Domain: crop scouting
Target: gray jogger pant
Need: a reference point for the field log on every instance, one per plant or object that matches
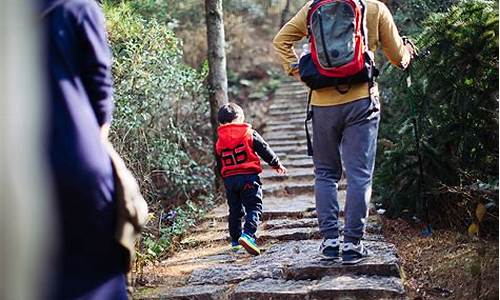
(344, 134)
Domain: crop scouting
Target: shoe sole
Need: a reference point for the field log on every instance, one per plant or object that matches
(249, 247)
(235, 250)
(353, 261)
(329, 258)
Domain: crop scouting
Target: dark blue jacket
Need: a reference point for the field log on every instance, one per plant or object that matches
(80, 101)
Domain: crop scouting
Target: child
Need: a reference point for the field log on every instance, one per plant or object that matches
(237, 148)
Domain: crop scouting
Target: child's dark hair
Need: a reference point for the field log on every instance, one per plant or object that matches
(229, 112)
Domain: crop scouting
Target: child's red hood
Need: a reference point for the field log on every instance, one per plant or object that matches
(232, 134)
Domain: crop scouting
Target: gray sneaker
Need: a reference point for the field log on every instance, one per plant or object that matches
(330, 249)
(353, 254)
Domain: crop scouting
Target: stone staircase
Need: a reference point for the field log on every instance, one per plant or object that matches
(289, 267)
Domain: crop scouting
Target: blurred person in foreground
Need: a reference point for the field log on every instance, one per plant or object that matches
(90, 263)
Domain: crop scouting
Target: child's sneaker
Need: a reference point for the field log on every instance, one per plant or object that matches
(249, 244)
(354, 253)
(235, 247)
(329, 249)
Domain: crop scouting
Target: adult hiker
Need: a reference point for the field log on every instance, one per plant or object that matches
(90, 263)
(343, 34)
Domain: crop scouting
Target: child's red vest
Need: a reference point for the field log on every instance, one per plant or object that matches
(235, 150)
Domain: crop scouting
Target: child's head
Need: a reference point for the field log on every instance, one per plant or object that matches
(231, 113)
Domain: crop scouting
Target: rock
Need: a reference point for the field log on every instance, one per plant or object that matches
(198, 292)
(290, 149)
(287, 111)
(296, 121)
(289, 234)
(298, 163)
(292, 115)
(290, 223)
(358, 287)
(274, 143)
(297, 105)
(287, 188)
(383, 262)
(275, 207)
(266, 289)
(288, 135)
(343, 287)
(283, 127)
(294, 174)
(272, 135)
(299, 260)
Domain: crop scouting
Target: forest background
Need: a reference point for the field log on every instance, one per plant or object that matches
(437, 163)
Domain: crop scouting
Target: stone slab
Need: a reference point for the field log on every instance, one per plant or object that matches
(372, 227)
(294, 106)
(291, 149)
(294, 121)
(274, 135)
(267, 289)
(358, 287)
(290, 223)
(286, 111)
(299, 260)
(197, 292)
(293, 206)
(383, 262)
(288, 187)
(342, 287)
(303, 174)
(292, 115)
(279, 143)
(289, 234)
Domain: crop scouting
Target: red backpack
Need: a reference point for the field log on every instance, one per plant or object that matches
(339, 45)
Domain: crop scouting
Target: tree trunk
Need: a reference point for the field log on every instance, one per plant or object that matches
(217, 77)
(285, 13)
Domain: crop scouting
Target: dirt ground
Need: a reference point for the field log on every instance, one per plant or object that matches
(445, 265)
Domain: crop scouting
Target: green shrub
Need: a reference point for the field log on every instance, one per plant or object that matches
(448, 117)
(160, 124)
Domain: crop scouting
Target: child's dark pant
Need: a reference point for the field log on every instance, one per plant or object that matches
(244, 195)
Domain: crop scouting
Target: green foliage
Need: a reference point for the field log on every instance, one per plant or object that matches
(157, 241)
(449, 115)
(160, 122)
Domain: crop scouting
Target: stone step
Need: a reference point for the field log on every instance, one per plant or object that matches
(288, 188)
(293, 206)
(291, 116)
(303, 233)
(275, 207)
(298, 260)
(287, 93)
(340, 287)
(284, 128)
(287, 112)
(291, 149)
(292, 105)
(298, 163)
(293, 174)
(297, 142)
(274, 135)
(294, 121)
(372, 227)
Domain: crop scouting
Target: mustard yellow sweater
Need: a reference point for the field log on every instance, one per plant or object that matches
(381, 32)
